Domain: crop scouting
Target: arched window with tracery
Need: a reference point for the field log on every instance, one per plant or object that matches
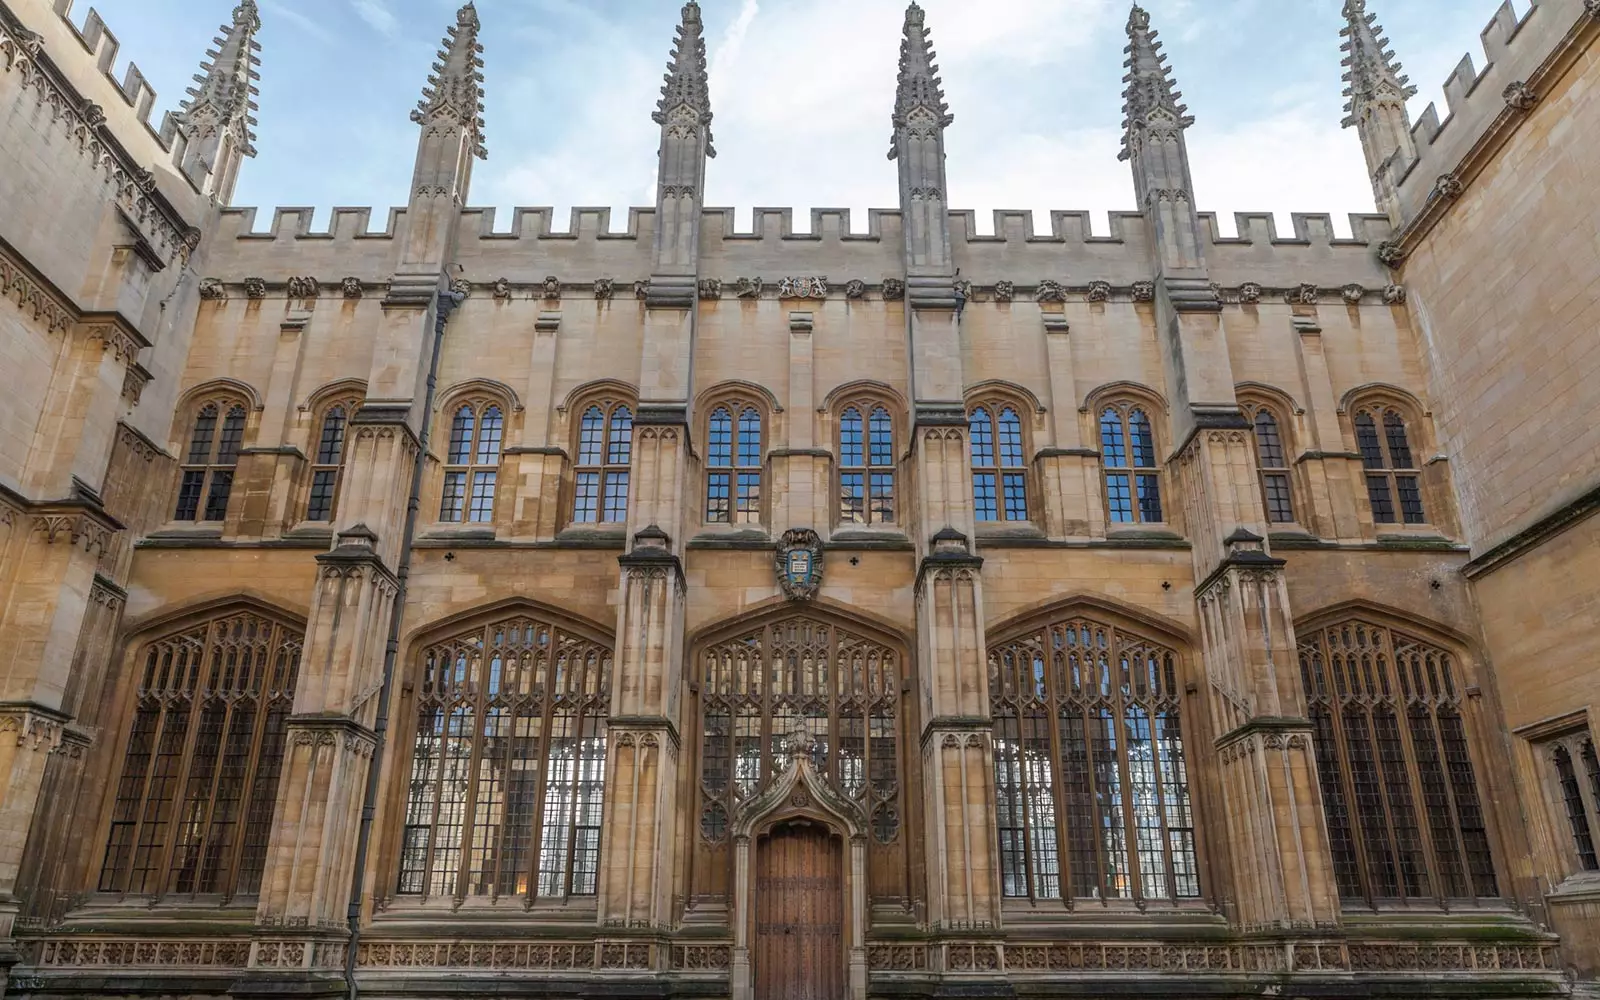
(193, 806)
(733, 463)
(1128, 455)
(1398, 784)
(999, 462)
(472, 462)
(1394, 483)
(507, 772)
(866, 465)
(1091, 775)
(327, 471)
(605, 454)
(1272, 463)
(206, 480)
(757, 686)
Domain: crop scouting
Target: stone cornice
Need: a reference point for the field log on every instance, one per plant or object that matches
(1535, 535)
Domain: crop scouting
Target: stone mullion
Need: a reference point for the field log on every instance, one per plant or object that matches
(1419, 799)
(252, 767)
(185, 765)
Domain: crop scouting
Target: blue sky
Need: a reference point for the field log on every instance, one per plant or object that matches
(802, 90)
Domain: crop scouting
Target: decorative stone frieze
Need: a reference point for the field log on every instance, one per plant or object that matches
(1050, 290)
(133, 384)
(115, 340)
(641, 289)
(1353, 293)
(213, 290)
(803, 288)
(1005, 291)
(31, 297)
(748, 288)
(604, 288)
(894, 289)
(461, 287)
(1394, 295)
(502, 289)
(255, 288)
(1144, 291)
(304, 288)
(1305, 294)
(1099, 291)
(551, 288)
(1448, 186)
(710, 289)
(1391, 253)
(352, 288)
(855, 288)
(1250, 293)
(1519, 96)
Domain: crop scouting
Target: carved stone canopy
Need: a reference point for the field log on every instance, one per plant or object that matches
(797, 790)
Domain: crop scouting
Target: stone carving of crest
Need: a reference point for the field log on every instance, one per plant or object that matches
(803, 288)
(800, 564)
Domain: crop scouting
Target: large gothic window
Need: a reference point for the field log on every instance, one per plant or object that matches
(1394, 483)
(605, 454)
(733, 463)
(209, 461)
(758, 687)
(866, 466)
(507, 764)
(193, 806)
(1091, 778)
(1398, 784)
(1272, 464)
(1128, 453)
(999, 463)
(328, 470)
(472, 464)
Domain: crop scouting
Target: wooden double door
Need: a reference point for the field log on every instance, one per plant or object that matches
(799, 910)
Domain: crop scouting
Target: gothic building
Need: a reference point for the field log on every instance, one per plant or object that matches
(452, 605)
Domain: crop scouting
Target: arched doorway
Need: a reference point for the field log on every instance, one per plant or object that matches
(799, 913)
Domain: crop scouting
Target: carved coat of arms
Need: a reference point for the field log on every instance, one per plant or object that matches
(800, 564)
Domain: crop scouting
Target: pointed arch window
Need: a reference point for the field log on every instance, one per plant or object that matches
(328, 471)
(472, 463)
(1128, 455)
(206, 481)
(194, 803)
(866, 466)
(1394, 483)
(1272, 464)
(507, 773)
(999, 463)
(1091, 775)
(1398, 783)
(1572, 778)
(605, 454)
(733, 462)
(758, 688)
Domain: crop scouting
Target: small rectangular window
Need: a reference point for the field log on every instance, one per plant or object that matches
(482, 511)
(586, 504)
(217, 499)
(616, 511)
(320, 508)
(1381, 498)
(719, 490)
(189, 495)
(1119, 499)
(986, 507)
(451, 506)
(852, 498)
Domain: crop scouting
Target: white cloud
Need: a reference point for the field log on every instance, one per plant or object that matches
(299, 20)
(374, 12)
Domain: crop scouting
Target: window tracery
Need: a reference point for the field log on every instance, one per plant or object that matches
(866, 465)
(734, 458)
(604, 463)
(999, 461)
(194, 803)
(206, 478)
(1091, 775)
(1128, 456)
(1398, 782)
(472, 462)
(507, 772)
(1394, 481)
(757, 688)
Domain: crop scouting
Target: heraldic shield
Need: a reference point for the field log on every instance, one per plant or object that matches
(800, 564)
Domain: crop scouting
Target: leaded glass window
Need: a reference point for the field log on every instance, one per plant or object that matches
(507, 771)
(1398, 784)
(1091, 774)
(206, 478)
(758, 688)
(604, 457)
(1572, 781)
(999, 463)
(733, 460)
(1394, 483)
(1128, 455)
(193, 806)
(1272, 466)
(472, 463)
(328, 469)
(866, 466)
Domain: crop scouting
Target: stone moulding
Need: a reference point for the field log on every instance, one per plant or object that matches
(18, 284)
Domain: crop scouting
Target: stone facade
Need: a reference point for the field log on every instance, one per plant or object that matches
(419, 610)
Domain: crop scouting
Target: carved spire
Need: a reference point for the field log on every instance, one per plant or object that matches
(1377, 92)
(454, 94)
(686, 85)
(1371, 72)
(920, 88)
(218, 117)
(1151, 99)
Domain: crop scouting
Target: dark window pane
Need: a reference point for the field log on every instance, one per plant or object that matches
(1381, 499)
(749, 438)
(1367, 438)
(982, 431)
(1143, 440)
(1394, 430)
(748, 503)
(453, 503)
(320, 508)
(205, 429)
(620, 451)
(1150, 498)
(718, 492)
(1269, 445)
(586, 498)
(232, 437)
(1016, 488)
(461, 437)
(194, 481)
(489, 437)
(883, 498)
(1119, 498)
(719, 445)
(1410, 499)
(852, 498)
(851, 454)
(1577, 816)
(482, 510)
(1010, 439)
(330, 451)
(882, 432)
(1280, 502)
(217, 498)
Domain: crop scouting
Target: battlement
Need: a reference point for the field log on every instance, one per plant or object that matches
(1514, 50)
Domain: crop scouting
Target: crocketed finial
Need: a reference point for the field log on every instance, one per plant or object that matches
(1151, 99)
(919, 97)
(1372, 74)
(686, 91)
(223, 96)
(454, 93)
